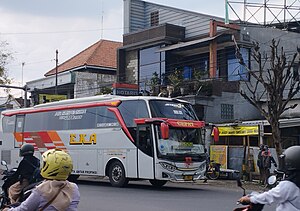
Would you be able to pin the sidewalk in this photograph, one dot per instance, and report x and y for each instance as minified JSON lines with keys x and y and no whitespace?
{"x":232,"y":184}
{"x":228,"y":183}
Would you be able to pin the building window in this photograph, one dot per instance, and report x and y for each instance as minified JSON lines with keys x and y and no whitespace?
{"x":226,"y":111}
{"x":154,"y":18}
{"x":151,"y":63}
{"x":236,"y":71}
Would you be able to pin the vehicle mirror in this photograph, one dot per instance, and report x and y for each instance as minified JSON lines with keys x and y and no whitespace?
{"x":216,"y":134}
{"x":164,"y":129}
{"x":272,"y":180}
{"x":3,"y":163}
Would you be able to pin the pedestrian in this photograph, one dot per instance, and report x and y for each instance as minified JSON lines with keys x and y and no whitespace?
{"x":287,"y":193}
{"x":24,"y":173}
{"x":207,"y":161}
{"x":55,"y":192}
{"x":267,"y":160}
{"x":259,"y":163}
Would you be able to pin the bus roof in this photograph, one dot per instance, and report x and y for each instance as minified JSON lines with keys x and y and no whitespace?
{"x":78,"y":102}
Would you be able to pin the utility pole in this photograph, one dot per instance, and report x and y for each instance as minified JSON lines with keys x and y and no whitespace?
{"x":22,"y":74}
{"x":23,"y":63}
{"x":56,"y":67}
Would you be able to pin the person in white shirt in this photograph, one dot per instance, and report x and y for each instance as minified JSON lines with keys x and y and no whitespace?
{"x":287,"y":193}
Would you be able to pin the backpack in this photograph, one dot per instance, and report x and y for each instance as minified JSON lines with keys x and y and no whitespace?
{"x":259,"y":159}
{"x":36,"y":176}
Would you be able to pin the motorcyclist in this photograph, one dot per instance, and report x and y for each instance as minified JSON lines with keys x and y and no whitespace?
{"x":287,"y":193}
{"x":55,"y":192}
{"x":24,"y":172}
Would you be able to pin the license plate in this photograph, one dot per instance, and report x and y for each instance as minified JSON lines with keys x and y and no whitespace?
{"x":188,"y":178}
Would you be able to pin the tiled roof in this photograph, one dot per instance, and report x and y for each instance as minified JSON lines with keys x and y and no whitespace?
{"x":101,"y":54}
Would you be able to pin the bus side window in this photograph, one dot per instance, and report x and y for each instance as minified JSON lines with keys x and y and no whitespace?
{"x":8,"y":124}
{"x":133,"y":109}
{"x":144,"y":140}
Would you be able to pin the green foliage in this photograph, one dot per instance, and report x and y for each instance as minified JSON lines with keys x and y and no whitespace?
{"x":105,"y":90}
{"x":176,"y":78}
{"x":5,"y":58}
{"x":154,"y":83}
{"x":154,"y":80}
{"x":198,"y":79}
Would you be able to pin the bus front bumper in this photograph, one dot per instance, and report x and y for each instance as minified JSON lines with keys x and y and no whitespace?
{"x":182,"y":174}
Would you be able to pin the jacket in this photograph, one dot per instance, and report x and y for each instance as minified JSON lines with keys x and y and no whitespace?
{"x":67,"y":199}
{"x":26,"y":167}
{"x":286,"y":195}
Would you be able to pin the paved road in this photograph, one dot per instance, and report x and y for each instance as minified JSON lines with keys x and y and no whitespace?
{"x":99,"y":195}
{"x":141,"y":196}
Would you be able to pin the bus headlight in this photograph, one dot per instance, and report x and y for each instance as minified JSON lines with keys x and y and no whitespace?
{"x":168,"y":166}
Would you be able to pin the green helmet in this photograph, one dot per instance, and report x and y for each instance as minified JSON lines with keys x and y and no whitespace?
{"x":26,"y":149}
{"x":57,"y":165}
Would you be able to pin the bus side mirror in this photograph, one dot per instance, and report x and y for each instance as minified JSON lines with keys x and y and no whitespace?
{"x":216,"y":134}
{"x":164,"y":129}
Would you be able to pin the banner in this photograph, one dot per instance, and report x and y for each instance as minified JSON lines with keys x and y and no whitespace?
{"x":218,"y":153}
{"x":238,"y":130}
{"x":45,"y":98}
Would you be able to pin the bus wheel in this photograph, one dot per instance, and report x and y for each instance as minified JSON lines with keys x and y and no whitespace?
{"x":117,"y":174}
{"x":157,"y":183}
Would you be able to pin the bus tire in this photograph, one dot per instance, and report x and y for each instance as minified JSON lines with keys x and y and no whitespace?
{"x":158,"y":183}
{"x":116,"y":174}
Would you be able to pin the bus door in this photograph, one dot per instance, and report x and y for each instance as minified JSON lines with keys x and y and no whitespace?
{"x":19,"y":128}
{"x":145,"y":152}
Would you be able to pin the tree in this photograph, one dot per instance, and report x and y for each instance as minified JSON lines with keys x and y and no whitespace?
{"x":5,"y":57}
{"x":176,"y":79}
{"x":279,"y":80}
{"x":154,"y":83}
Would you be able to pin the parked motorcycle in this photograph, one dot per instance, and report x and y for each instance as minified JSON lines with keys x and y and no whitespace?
{"x":272,"y":180}
{"x":8,"y":180}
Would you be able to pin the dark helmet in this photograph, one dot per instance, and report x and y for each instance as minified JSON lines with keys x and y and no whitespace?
{"x":261,"y":147}
{"x":26,"y":149}
{"x":266,"y":148}
{"x":289,"y":161}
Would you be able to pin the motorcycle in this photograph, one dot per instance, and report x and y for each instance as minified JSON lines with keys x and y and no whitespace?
{"x":251,"y":206}
{"x":8,"y":180}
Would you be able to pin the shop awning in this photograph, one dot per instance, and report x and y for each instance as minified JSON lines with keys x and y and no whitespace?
{"x":185,"y":44}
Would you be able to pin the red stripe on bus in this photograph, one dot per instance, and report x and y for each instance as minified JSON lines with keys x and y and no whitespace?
{"x":121,"y":121}
{"x":66,"y":107}
{"x":45,"y":137}
{"x":172,"y":122}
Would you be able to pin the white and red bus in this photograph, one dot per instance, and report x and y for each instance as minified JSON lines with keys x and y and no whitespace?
{"x":124,"y":138}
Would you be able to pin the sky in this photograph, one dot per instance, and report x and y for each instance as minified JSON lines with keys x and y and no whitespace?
{"x":35,"y":29}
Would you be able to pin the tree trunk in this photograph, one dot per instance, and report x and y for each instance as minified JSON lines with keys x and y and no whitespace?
{"x":276,"y":137}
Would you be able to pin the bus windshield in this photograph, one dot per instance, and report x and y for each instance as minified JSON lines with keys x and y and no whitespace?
{"x":182,"y":142}
{"x":172,"y":110}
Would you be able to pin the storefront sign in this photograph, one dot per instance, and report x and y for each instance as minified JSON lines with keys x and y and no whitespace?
{"x":238,"y":130}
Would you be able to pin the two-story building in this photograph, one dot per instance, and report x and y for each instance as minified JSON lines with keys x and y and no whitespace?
{"x":193,"y":56}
